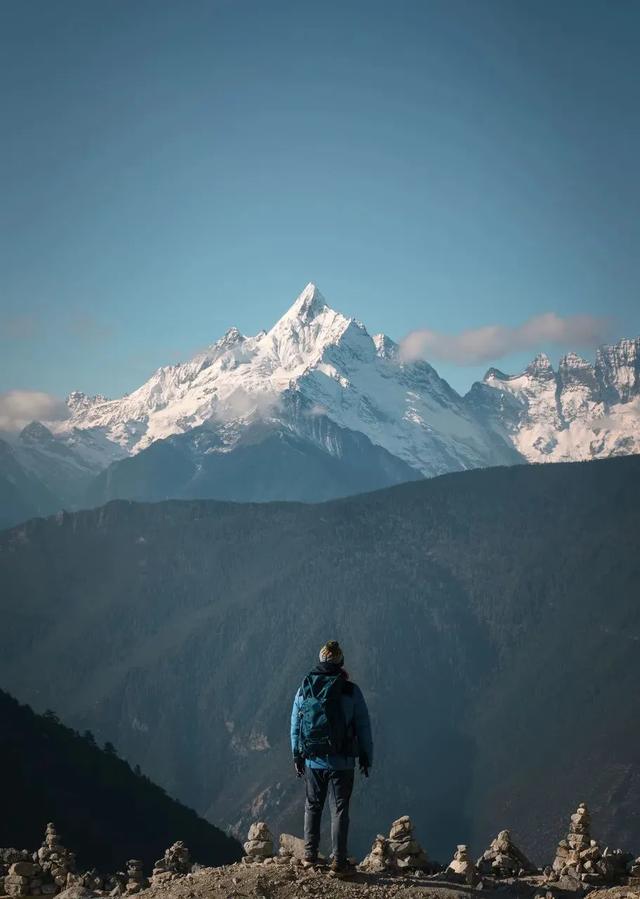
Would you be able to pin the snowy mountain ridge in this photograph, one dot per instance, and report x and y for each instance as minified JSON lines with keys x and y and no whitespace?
{"x":320,"y":377}
{"x":314,"y":359}
{"x":581,"y":411}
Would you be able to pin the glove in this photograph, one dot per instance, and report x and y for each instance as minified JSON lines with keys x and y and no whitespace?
{"x":363,"y":761}
{"x":299,"y":765}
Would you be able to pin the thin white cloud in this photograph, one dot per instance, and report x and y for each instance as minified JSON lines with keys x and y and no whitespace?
{"x":316,"y":410}
{"x":18,"y":408}
{"x":492,"y":342}
{"x":241,"y":403}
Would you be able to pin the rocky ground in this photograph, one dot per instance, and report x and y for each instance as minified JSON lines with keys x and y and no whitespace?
{"x":290,"y":882}
{"x":397,"y":867}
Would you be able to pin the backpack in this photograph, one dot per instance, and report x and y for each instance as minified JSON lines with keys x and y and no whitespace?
{"x":322,"y":725}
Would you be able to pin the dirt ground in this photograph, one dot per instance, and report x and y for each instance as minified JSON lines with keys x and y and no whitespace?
{"x":290,"y":882}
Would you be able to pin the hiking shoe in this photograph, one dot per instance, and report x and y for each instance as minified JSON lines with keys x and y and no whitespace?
{"x":338,"y":869}
{"x":309,"y":862}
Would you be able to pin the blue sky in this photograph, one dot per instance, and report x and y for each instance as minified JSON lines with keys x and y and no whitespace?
{"x":172,"y":169}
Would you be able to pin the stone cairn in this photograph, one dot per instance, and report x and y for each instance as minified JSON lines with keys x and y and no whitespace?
{"x":397,"y":851}
{"x":461,"y":864}
{"x":136,"y":880}
{"x":579,"y":857}
{"x":44,"y":872}
{"x":379,"y":859}
{"x":259,"y":845}
{"x":55,"y":859}
{"x":504,"y":859}
{"x":175,"y":862}
{"x":406,"y":850}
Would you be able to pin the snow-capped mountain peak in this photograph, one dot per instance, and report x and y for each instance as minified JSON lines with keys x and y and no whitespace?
{"x":307,"y":306}
{"x":317,"y":363}
{"x":314,"y":358}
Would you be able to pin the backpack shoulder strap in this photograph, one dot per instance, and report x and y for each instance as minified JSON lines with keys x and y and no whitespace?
{"x":318,"y":686}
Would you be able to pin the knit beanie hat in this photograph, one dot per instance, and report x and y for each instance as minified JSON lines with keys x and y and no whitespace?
{"x":331,"y":652}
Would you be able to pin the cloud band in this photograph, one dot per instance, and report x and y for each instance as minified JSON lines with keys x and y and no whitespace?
{"x":492,"y":342}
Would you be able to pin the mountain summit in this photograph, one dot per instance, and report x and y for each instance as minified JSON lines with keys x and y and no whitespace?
{"x":313,"y":361}
{"x":314,"y":408}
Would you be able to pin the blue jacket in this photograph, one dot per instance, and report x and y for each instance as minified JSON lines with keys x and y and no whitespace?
{"x":355,"y":713}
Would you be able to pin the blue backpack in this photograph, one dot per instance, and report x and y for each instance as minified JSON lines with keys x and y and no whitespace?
{"x":322,"y":725}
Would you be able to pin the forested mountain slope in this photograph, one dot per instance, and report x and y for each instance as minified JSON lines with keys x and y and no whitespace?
{"x":105,"y":810}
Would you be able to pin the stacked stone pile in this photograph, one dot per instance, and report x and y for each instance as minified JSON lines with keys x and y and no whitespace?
{"x":55,"y":859}
{"x":579,"y":857}
{"x":136,"y":880}
{"x":461,"y":864}
{"x":175,"y":862}
{"x":44,"y":872}
{"x":259,"y":845}
{"x":404,"y":847}
{"x":504,"y":859}
{"x":400,"y":850}
{"x":380,"y":858}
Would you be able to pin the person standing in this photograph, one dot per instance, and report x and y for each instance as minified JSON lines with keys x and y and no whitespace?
{"x":330,"y":728}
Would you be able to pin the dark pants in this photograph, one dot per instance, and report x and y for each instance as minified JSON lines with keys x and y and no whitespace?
{"x":339,"y":784}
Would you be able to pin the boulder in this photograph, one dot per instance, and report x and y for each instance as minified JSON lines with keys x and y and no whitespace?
{"x":25,"y":869}
{"x":291,"y":847}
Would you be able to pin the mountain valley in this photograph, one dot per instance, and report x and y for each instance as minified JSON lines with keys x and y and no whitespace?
{"x":490,"y":617}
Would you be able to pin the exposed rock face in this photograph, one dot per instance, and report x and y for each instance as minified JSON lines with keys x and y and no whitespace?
{"x":259,"y":845}
{"x":504,"y":859}
{"x":580,"y":857}
{"x":582,"y":411}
